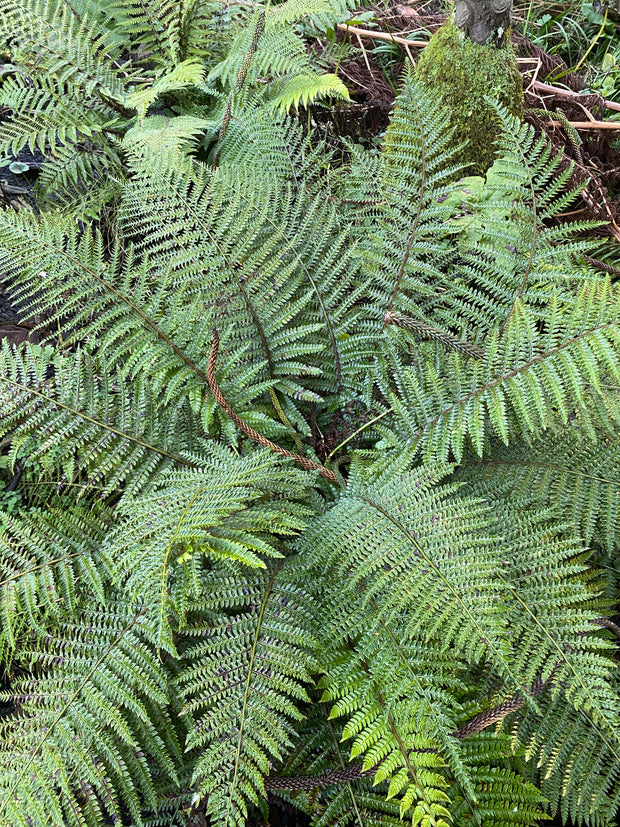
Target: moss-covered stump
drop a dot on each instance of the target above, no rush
(462, 74)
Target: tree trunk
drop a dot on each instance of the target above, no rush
(483, 21)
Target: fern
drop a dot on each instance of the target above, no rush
(576, 475)
(75, 749)
(221, 510)
(525, 383)
(87, 71)
(415, 623)
(241, 713)
(405, 568)
(305, 89)
(49, 561)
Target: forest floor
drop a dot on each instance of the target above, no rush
(573, 120)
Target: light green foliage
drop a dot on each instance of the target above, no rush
(188, 617)
(304, 89)
(468, 79)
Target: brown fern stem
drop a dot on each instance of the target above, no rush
(608, 624)
(243, 70)
(352, 773)
(427, 331)
(306, 463)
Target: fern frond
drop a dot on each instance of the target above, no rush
(121, 434)
(43, 119)
(187, 73)
(318, 753)
(170, 31)
(172, 137)
(503, 790)
(578, 763)
(54, 39)
(412, 560)
(241, 708)
(66, 275)
(88, 718)
(228, 509)
(275, 251)
(401, 238)
(307, 89)
(321, 13)
(47, 562)
(530, 381)
(578, 477)
(561, 648)
(402, 564)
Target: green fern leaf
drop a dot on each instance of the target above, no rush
(303, 90)
(241, 709)
(86, 722)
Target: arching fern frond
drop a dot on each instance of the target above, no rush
(397, 565)
(321, 13)
(123, 436)
(243, 682)
(577, 476)
(88, 719)
(308, 89)
(70, 46)
(48, 561)
(170, 31)
(503, 790)
(42, 119)
(412, 559)
(578, 763)
(401, 238)
(319, 754)
(530, 380)
(229, 508)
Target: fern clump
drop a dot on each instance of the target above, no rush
(83, 73)
(315, 469)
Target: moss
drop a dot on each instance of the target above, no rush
(461, 73)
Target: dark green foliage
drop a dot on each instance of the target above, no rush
(248, 664)
(187, 617)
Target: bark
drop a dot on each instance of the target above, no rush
(483, 21)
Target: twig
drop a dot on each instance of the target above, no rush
(586, 112)
(359, 40)
(585, 125)
(568, 93)
(306, 463)
(368, 33)
(538, 66)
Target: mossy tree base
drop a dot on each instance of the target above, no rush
(463, 74)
